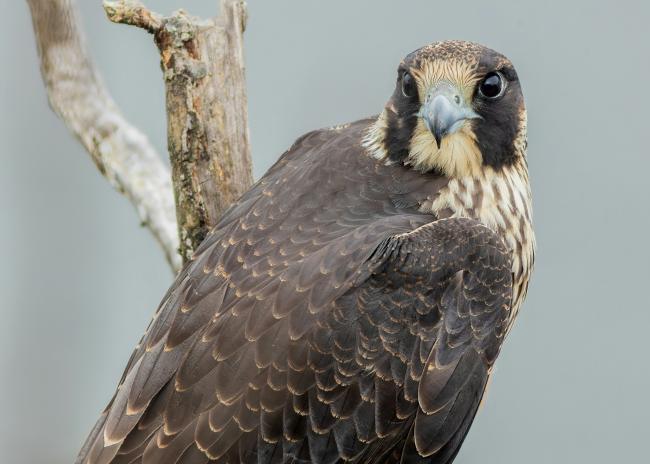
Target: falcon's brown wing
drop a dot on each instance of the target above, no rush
(398, 365)
(315, 326)
(444, 291)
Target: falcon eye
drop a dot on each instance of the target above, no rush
(408, 85)
(492, 86)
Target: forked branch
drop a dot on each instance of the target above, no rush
(207, 118)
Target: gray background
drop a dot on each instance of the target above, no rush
(79, 280)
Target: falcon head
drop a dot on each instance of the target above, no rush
(457, 108)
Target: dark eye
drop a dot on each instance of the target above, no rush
(492, 86)
(408, 85)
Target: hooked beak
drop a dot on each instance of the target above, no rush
(444, 111)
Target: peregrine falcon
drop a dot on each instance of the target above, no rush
(351, 305)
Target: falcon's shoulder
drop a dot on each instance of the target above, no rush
(324, 154)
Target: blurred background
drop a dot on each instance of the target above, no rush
(79, 279)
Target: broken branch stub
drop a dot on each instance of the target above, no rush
(207, 117)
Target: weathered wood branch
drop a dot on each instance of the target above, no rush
(207, 118)
(120, 151)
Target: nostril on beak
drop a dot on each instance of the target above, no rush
(444, 111)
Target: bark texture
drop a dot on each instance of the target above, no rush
(121, 152)
(207, 119)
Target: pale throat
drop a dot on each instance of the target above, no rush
(458, 156)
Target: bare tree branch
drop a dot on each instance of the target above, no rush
(133, 13)
(121, 152)
(207, 119)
